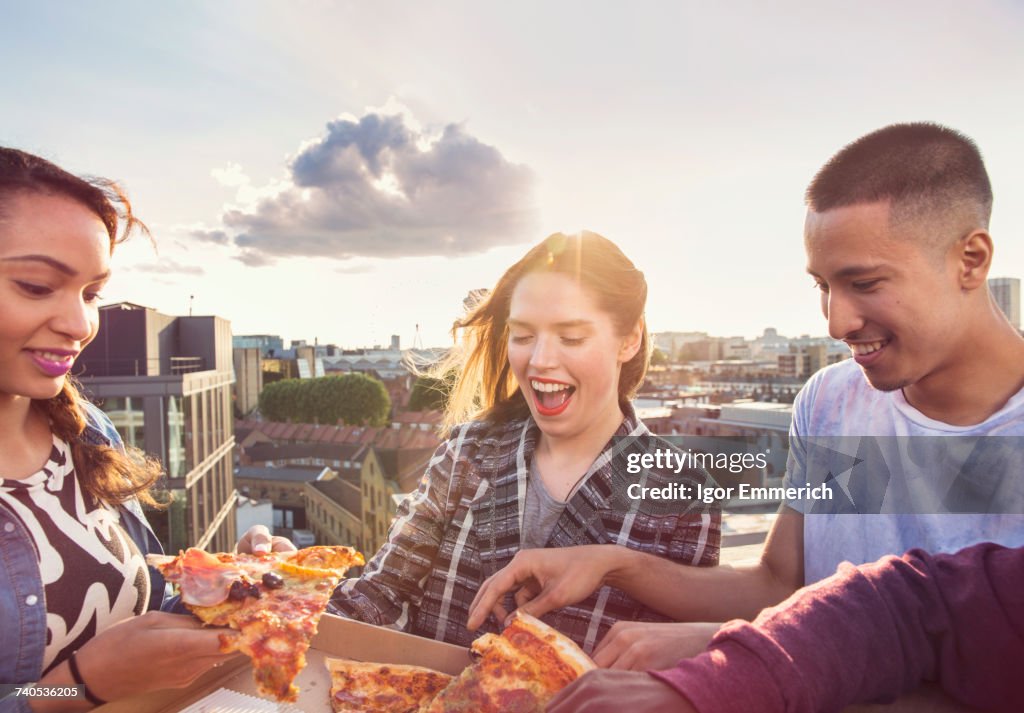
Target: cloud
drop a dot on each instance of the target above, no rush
(231, 175)
(167, 266)
(253, 258)
(380, 186)
(217, 237)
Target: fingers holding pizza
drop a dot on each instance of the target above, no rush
(180, 644)
(543, 580)
(257, 540)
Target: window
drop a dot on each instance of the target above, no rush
(283, 518)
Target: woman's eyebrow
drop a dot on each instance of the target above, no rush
(52, 262)
(55, 264)
(562, 325)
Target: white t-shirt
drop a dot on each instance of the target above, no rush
(899, 479)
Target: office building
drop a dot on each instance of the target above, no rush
(248, 364)
(165, 382)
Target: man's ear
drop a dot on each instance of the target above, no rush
(974, 258)
(631, 342)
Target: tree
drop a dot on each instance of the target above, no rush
(658, 358)
(355, 399)
(278, 400)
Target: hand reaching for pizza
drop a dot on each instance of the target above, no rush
(645, 646)
(258, 539)
(604, 691)
(147, 653)
(544, 580)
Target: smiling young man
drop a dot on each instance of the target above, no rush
(897, 242)
(919, 434)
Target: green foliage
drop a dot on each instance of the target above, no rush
(278, 400)
(658, 358)
(355, 399)
(430, 394)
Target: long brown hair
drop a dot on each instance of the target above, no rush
(107, 473)
(485, 387)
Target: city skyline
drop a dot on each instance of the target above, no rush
(346, 172)
(403, 345)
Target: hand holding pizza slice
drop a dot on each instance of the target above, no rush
(274, 600)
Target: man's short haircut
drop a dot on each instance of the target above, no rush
(922, 167)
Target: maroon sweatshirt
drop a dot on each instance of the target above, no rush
(872, 633)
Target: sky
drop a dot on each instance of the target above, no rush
(345, 171)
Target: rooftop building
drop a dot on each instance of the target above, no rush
(165, 382)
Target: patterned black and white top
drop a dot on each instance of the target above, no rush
(93, 573)
(465, 522)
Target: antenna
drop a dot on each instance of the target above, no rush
(417, 342)
(190, 298)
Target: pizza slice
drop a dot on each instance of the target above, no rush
(274, 601)
(518, 671)
(382, 688)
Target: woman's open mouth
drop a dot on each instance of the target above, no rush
(551, 397)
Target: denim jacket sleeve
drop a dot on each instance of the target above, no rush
(22, 597)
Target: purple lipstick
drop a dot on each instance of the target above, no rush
(53, 362)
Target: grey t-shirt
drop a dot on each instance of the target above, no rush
(541, 511)
(837, 411)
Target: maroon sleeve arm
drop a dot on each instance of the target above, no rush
(872, 633)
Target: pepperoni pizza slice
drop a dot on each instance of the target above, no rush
(520, 670)
(274, 601)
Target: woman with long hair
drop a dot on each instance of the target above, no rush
(540, 432)
(77, 601)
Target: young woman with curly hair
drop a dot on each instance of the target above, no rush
(77, 601)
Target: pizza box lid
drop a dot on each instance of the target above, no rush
(336, 637)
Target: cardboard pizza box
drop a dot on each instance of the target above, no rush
(336, 637)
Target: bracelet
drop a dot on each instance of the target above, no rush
(77, 676)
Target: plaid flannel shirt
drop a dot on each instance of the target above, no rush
(463, 524)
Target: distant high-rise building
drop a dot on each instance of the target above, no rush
(165, 382)
(248, 363)
(1006, 292)
(802, 361)
(396, 343)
